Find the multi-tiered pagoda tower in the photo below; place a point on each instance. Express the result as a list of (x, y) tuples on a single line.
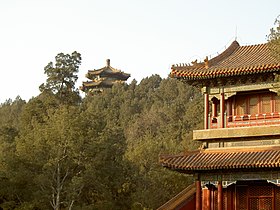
[(238, 166), (102, 78)]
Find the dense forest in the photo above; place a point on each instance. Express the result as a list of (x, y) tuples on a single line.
[(61, 151)]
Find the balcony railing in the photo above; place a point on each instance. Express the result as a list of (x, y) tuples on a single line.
[(246, 120)]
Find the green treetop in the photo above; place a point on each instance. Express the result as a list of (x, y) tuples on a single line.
[(62, 77)]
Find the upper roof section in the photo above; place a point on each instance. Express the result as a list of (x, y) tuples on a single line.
[(236, 60), (107, 71)]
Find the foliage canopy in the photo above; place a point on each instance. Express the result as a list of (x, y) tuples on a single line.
[(98, 154), (62, 76)]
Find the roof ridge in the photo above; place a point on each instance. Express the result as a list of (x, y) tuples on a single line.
[(226, 53), (213, 61), (254, 45)]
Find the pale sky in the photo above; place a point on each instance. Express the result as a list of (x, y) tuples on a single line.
[(141, 37)]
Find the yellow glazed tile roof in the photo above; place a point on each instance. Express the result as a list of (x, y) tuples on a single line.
[(226, 159), (234, 61)]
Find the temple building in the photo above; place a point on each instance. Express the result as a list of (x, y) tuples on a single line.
[(102, 78), (238, 165)]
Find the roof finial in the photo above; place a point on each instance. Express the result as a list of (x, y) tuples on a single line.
[(235, 38), (206, 62), (108, 62)]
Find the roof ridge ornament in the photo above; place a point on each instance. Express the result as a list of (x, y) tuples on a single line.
[(194, 63), (107, 62), (206, 62)]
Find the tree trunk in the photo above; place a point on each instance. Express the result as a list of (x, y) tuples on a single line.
[(58, 187)]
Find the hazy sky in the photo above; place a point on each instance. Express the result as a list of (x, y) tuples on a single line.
[(141, 37)]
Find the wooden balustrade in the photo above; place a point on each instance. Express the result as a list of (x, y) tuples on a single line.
[(245, 120)]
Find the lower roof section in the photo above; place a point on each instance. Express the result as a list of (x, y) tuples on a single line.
[(223, 159)]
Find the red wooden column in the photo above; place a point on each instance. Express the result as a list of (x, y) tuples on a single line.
[(222, 110), (220, 195), (214, 109), (229, 107), (198, 195), (209, 199), (206, 110), (206, 199)]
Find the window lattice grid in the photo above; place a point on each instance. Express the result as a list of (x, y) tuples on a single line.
[(265, 104), (242, 198), (254, 204), (261, 204), (216, 200), (224, 200), (240, 106), (277, 103), (261, 191), (277, 197), (266, 203), (253, 105)]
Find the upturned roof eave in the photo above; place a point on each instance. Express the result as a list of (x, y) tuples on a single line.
[(223, 159), (234, 61), (117, 73), (226, 74)]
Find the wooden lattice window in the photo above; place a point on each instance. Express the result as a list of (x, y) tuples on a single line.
[(224, 199), (254, 204), (277, 103), (261, 197), (260, 191), (265, 104), (240, 106), (277, 198), (216, 200), (253, 105), (261, 103), (242, 198), (261, 204)]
